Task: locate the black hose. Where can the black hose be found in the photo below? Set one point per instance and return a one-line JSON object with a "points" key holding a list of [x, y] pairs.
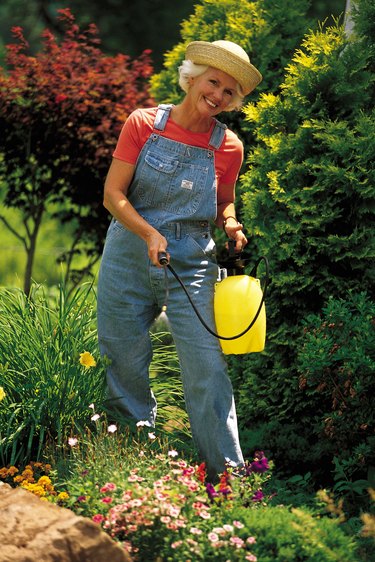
{"points": [[163, 260]]}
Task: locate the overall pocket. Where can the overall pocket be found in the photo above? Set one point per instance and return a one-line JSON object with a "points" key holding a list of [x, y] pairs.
{"points": [[170, 184]]}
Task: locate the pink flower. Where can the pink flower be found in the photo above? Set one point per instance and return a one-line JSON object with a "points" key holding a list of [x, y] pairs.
{"points": [[98, 518], [251, 540], [195, 531], [204, 515], [213, 537], [251, 558], [107, 499], [109, 487], [228, 528], [237, 542], [238, 524]]}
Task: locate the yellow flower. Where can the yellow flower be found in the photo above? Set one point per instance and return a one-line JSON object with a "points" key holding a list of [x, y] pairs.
{"points": [[2, 393], [63, 496], [87, 360]]}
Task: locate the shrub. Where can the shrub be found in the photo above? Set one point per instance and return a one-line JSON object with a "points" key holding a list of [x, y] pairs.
{"points": [[296, 535], [308, 200]]}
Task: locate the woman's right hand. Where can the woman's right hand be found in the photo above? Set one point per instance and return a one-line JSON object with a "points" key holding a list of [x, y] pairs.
{"points": [[156, 243]]}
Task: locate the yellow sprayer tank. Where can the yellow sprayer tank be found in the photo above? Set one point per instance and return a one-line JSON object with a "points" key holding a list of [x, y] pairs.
{"points": [[236, 302]]}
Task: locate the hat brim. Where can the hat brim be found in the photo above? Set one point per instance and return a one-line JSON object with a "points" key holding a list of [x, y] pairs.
{"points": [[209, 54]]}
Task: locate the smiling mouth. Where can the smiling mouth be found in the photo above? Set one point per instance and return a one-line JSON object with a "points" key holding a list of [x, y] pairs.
{"points": [[210, 103]]}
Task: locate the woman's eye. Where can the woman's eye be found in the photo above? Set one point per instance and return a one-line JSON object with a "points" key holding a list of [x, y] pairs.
{"points": [[214, 82], [229, 92]]}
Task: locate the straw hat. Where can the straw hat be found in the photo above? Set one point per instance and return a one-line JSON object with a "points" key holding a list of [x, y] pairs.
{"points": [[228, 57]]}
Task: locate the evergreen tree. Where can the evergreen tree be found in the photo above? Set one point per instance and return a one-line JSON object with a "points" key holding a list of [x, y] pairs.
{"points": [[308, 200]]}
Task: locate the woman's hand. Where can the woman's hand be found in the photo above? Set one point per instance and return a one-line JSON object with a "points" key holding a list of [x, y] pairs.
{"points": [[233, 229], [156, 243]]}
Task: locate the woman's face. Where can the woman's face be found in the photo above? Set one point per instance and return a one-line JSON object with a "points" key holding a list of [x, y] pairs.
{"points": [[212, 91]]}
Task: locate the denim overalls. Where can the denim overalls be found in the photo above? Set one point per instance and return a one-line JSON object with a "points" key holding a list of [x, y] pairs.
{"points": [[174, 189]]}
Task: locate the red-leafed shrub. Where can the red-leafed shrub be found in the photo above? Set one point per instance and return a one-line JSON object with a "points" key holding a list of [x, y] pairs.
{"points": [[60, 114]]}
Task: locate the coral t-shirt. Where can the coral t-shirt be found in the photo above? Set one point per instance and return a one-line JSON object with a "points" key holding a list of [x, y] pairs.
{"points": [[139, 126]]}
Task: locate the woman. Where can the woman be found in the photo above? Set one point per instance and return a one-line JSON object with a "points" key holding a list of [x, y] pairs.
{"points": [[173, 171]]}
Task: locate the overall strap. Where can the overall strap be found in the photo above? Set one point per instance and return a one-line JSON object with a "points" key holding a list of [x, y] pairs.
{"points": [[162, 116], [218, 135]]}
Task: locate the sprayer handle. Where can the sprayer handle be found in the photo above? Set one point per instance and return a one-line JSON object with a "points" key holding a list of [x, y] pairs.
{"points": [[163, 258]]}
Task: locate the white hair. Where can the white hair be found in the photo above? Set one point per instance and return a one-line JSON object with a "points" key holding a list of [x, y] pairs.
{"points": [[189, 69]]}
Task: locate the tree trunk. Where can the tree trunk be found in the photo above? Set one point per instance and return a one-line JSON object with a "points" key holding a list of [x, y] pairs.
{"points": [[31, 247], [349, 24]]}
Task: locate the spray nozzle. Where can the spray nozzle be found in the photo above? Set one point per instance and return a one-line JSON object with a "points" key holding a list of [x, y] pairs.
{"points": [[163, 258]]}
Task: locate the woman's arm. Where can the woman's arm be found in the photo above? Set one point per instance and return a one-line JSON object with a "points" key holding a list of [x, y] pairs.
{"points": [[119, 177], [226, 216]]}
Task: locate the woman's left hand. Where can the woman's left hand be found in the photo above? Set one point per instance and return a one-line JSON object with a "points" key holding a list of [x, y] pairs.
{"points": [[234, 231]]}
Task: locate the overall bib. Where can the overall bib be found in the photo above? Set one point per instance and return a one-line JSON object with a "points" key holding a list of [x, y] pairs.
{"points": [[174, 189]]}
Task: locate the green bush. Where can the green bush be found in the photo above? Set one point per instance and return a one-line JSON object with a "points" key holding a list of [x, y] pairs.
{"points": [[296, 535], [308, 201], [336, 364]]}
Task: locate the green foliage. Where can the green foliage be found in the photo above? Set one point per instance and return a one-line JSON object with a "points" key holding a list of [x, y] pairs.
{"points": [[336, 364], [297, 535], [47, 389], [48, 385], [268, 31], [308, 201], [155, 503], [56, 144]]}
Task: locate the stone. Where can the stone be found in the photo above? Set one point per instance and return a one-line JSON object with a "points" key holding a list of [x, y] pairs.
{"points": [[32, 530]]}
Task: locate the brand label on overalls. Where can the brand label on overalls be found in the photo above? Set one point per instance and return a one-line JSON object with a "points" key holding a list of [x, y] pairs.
{"points": [[186, 184]]}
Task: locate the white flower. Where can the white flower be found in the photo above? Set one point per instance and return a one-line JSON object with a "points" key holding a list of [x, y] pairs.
{"points": [[72, 441], [151, 436], [92, 406], [172, 453], [95, 417], [143, 423], [112, 428]]}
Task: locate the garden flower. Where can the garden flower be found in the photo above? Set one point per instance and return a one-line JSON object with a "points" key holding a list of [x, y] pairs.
{"points": [[251, 540], [238, 524], [107, 499], [72, 441], [172, 453], [98, 518], [2, 393], [213, 537], [260, 463], [258, 496], [109, 487], [87, 360], [63, 496], [151, 436], [112, 428], [95, 417], [212, 493], [251, 558], [236, 541], [92, 406]]}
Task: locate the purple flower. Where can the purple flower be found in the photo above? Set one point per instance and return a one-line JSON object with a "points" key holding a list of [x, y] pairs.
{"points": [[258, 496], [212, 493], [260, 463]]}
